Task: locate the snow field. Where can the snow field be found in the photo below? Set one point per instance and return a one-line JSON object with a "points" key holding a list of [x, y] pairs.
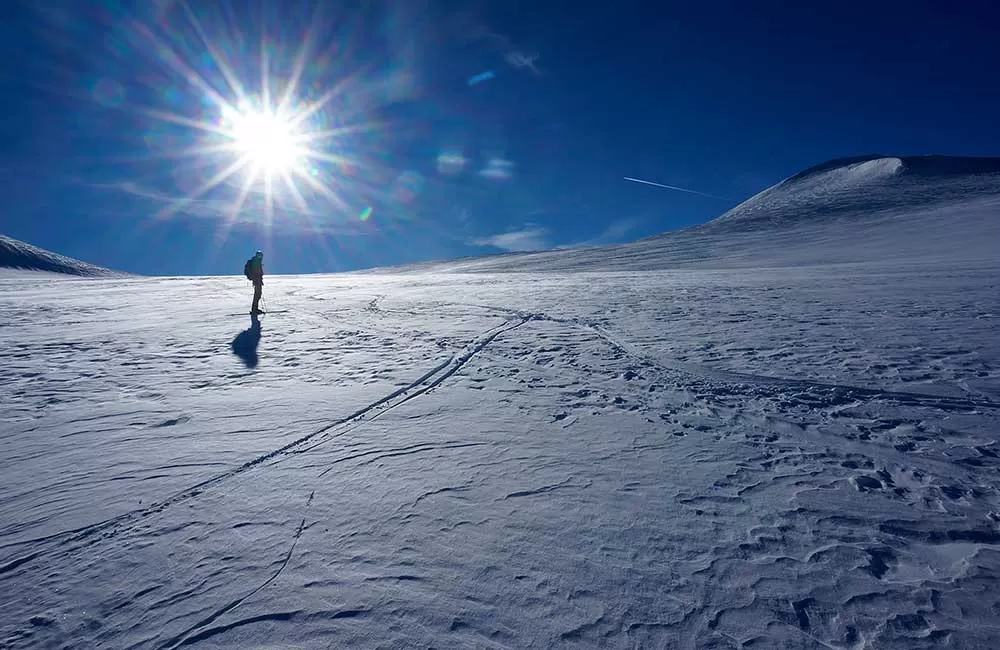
{"points": [[690, 459]]}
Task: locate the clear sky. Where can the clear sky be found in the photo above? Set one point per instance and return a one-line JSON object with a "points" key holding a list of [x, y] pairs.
{"points": [[164, 137]]}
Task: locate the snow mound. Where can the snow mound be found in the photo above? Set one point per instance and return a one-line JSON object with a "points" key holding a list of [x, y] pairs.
{"points": [[862, 186], [16, 254]]}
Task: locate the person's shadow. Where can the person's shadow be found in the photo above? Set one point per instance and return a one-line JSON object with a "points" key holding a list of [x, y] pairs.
{"points": [[246, 342]]}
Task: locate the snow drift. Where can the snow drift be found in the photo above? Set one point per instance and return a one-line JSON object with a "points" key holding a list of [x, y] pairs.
{"points": [[16, 254]]}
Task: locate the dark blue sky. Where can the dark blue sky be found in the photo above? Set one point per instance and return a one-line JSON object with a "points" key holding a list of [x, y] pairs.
{"points": [[454, 128]]}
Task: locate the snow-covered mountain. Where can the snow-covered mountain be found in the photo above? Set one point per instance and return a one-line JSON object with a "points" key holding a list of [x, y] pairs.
{"points": [[864, 188], [711, 439], [858, 210], [16, 254]]}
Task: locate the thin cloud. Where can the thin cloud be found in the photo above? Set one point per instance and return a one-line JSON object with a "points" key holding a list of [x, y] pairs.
{"points": [[521, 59], [615, 233], [532, 238], [480, 78], [516, 56], [497, 169]]}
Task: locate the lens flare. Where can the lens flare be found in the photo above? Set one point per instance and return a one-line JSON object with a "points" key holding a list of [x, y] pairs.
{"points": [[266, 136]]}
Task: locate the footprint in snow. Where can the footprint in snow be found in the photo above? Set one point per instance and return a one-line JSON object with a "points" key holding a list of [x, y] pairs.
{"points": [[865, 483]]}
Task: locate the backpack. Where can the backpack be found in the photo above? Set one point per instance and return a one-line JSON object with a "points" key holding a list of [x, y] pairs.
{"points": [[246, 269]]}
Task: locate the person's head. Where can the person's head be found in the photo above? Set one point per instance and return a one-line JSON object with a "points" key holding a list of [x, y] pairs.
{"points": [[259, 255]]}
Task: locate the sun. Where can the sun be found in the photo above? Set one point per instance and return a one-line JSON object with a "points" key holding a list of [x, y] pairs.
{"points": [[266, 140], [263, 149]]}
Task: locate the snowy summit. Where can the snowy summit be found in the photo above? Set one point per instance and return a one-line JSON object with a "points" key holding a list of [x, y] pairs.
{"points": [[18, 256], [775, 430]]}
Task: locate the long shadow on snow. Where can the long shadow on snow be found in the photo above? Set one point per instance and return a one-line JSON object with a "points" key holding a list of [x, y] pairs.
{"points": [[246, 342]]}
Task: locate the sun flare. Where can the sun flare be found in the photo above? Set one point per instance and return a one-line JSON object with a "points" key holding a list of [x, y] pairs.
{"points": [[258, 148], [267, 141]]}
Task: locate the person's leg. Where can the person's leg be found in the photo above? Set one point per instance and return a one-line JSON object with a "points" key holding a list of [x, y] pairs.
{"points": [[258, 288]]}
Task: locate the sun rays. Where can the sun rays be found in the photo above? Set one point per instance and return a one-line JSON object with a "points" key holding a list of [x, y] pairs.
{"points": [[267, 143], [301, 124]]}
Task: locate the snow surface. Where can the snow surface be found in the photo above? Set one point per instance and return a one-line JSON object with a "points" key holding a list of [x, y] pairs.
{"points": [[763, 453], [17, 255]]}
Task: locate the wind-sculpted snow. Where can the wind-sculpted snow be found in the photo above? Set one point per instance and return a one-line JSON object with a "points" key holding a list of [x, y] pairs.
{"points": [[784, 458], [16, 254]]}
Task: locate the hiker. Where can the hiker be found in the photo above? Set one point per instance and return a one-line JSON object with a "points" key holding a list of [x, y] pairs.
{"points": [[254, 270]]}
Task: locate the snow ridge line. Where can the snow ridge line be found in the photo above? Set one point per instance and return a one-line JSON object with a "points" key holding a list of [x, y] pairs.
{"points": [[449, 367], [378, 454]]}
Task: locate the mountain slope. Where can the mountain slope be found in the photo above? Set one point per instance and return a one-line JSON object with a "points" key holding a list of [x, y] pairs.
{"points": [[864, 186], [918, 209], [16, 254]]}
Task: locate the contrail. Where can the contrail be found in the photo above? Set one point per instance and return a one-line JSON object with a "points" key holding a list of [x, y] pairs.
{"points": [[679, 189]]}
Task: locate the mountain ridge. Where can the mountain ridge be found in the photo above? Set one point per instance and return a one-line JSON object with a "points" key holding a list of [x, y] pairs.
{"points": [[16, 254], [863, 186], [858, 209]]}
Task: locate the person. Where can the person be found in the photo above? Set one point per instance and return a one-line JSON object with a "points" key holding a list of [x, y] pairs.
{"points": [[254, 270]]}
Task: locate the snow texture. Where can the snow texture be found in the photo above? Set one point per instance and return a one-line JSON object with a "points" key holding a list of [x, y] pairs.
{"points": [[750, 452], [18, 255]]}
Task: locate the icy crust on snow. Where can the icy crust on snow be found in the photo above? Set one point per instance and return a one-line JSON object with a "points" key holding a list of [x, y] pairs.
{"points": [[791, 458], [17, 257]]}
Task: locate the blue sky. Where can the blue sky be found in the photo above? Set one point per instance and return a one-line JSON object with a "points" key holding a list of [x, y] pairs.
{"points": [[442, 129]]}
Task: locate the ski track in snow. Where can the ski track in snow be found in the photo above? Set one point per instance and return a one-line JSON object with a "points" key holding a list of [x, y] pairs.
{"points": [[796, 458]]}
